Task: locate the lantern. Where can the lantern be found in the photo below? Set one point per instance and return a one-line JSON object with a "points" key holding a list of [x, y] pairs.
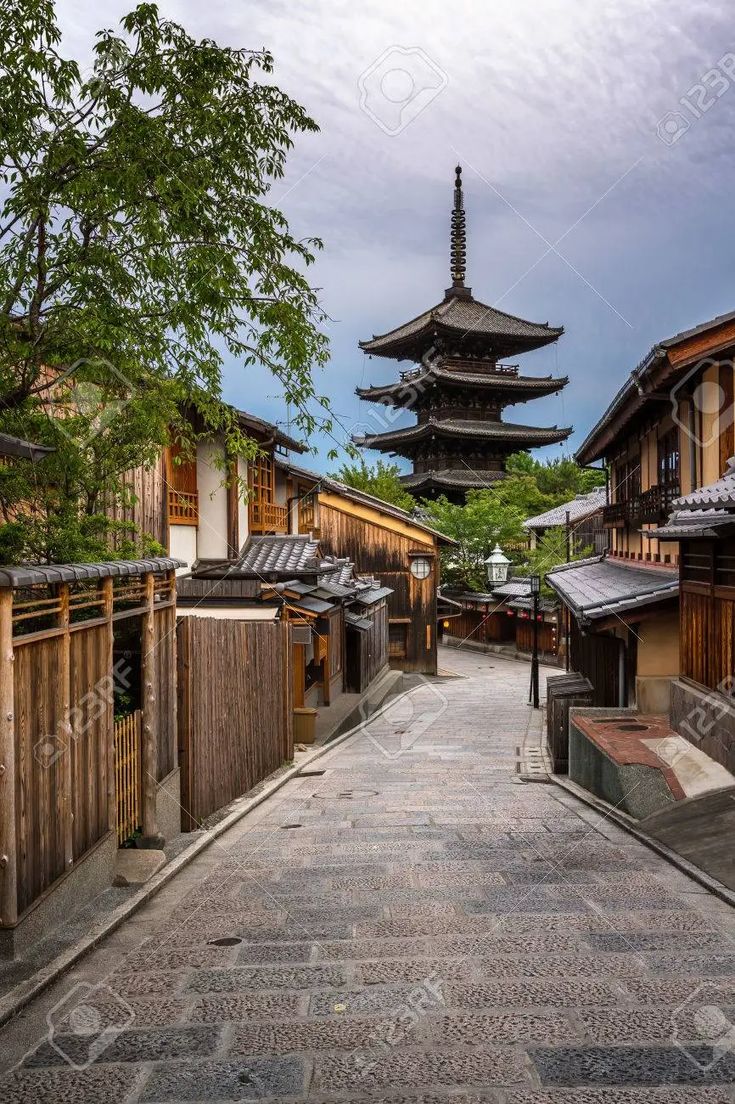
{"points": [[497, 565]]}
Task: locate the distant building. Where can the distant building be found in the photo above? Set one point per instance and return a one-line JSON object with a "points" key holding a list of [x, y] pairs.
{"points": [[460, 389], [582, 514]]}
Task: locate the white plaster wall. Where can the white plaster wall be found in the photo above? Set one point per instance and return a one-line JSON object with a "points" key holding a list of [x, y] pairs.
{"points": [[182, 543], [212, 537]]}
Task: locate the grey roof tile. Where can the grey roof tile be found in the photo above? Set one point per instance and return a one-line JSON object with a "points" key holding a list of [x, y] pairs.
{"points": [[83, 572], [469, 428], [580, 507], [719, 494], [692, 523], [597, 587]]}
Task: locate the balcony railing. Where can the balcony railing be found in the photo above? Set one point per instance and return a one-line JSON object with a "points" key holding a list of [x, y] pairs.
{"points": [[183, 507], [653, 505], [615, 514], [266, 517]]}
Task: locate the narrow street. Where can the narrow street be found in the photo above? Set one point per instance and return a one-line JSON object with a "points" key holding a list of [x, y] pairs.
{"points": [[408, 921]]}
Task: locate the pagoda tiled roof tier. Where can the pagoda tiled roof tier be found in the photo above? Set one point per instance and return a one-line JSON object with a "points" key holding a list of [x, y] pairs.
{"points": [[500, 383], [451, 479], [465, 429], [460, 320]]}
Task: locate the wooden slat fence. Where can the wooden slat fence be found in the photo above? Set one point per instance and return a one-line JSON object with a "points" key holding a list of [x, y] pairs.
{"points": [[234, 709], [57, 738], [128, 781]]}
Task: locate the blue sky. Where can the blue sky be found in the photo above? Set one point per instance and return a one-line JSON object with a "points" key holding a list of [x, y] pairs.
{"points": [[598, 154]]}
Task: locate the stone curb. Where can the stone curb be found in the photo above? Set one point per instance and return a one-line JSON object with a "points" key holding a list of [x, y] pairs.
{"points": [[27, 990], [626, 822]]}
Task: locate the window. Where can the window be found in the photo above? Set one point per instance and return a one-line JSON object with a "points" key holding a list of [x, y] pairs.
{"points": [[668, 459], [397, 639], [420, 567], [260, 478]]}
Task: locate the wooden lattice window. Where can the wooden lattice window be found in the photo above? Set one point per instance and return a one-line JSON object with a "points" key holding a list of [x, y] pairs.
{"points": [[182, 490], [260, 479], [668, 459]]}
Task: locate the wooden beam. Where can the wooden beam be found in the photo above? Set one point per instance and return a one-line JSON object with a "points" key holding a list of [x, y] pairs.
{"points": [[8, 843], [107, 600], [150, 716], [64, 732]]}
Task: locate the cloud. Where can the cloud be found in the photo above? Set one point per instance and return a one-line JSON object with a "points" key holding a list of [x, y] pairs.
{"points": [[552, 106]]}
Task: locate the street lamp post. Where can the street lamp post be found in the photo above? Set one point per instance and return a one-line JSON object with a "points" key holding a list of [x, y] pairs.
{"points": [[535, 592]]}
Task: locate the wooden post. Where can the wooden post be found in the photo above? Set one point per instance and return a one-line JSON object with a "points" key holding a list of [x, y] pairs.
{"points": [[151, 837], [8, 847], [107, 604], [64, 731]]}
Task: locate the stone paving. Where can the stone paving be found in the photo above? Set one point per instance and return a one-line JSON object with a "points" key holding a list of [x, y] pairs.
{"points": [[409, 923]]}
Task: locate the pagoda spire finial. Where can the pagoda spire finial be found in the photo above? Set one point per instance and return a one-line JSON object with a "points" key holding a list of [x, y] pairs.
{"points": [[458, 240]]}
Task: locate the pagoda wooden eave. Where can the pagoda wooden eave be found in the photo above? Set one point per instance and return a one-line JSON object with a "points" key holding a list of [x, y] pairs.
{"points": [[489, 433], [517, 388]]}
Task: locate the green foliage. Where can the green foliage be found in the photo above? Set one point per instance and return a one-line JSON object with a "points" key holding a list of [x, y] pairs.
{"points": [[382, 480], [550, 551], [561, 478], [139, 246], [497, 515]]}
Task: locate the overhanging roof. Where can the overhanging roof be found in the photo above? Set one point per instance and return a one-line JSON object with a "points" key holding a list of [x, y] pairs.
{"points": [[451, 478], [326, 483], [597, 588], [84, 572], [461, 316], [633, 395], [19, 449], [691, 524], [517, 388], [578, 508], [467, 429]]}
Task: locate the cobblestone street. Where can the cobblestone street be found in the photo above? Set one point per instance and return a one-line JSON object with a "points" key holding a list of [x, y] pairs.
{"points": [[410, 921]]}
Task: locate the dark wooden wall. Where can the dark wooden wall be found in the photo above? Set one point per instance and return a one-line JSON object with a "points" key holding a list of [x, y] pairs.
{"points": [[366, 651], [235, 716], [382, 552], [597, 657]]}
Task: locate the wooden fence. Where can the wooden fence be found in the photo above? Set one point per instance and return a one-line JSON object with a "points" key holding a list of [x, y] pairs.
{"points": [[235, 711], [57, 739], [128, 774]]}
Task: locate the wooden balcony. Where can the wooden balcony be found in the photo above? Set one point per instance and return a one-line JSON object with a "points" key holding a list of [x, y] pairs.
{"points": [[614, 515], [267, 517], [183, 507]]}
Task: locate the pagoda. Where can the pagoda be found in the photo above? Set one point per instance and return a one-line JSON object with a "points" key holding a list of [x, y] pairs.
{"points": [[460, 388]]}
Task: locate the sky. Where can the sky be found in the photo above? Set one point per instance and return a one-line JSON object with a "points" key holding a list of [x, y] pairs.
{"points": [[596, 142]]}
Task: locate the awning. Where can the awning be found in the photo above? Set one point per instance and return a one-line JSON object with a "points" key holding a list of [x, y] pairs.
{"points": [[597, 588], [692, 524], [356, 622]]}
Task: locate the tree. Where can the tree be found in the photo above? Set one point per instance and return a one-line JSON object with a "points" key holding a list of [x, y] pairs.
{"points": [[485, 518], [139, 246], [561, 478], [550, 552], [497, 514], [382, 480]]}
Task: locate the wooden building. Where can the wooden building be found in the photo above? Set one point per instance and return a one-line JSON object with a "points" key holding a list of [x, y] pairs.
{"points": [[581, 519], [460, 389], [668, 432], [382, 541], [340, 622], [504, 618]]}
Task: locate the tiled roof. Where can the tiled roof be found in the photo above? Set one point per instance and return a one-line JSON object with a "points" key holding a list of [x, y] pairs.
{"points": [[326, 483], [452, 477], [719, 495], [468, 428], [282, 555], [465, 315], [597, 587], [692, 523], [250, 422], [84, 572], [405, 389], [580, 507], [514, 588]]}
